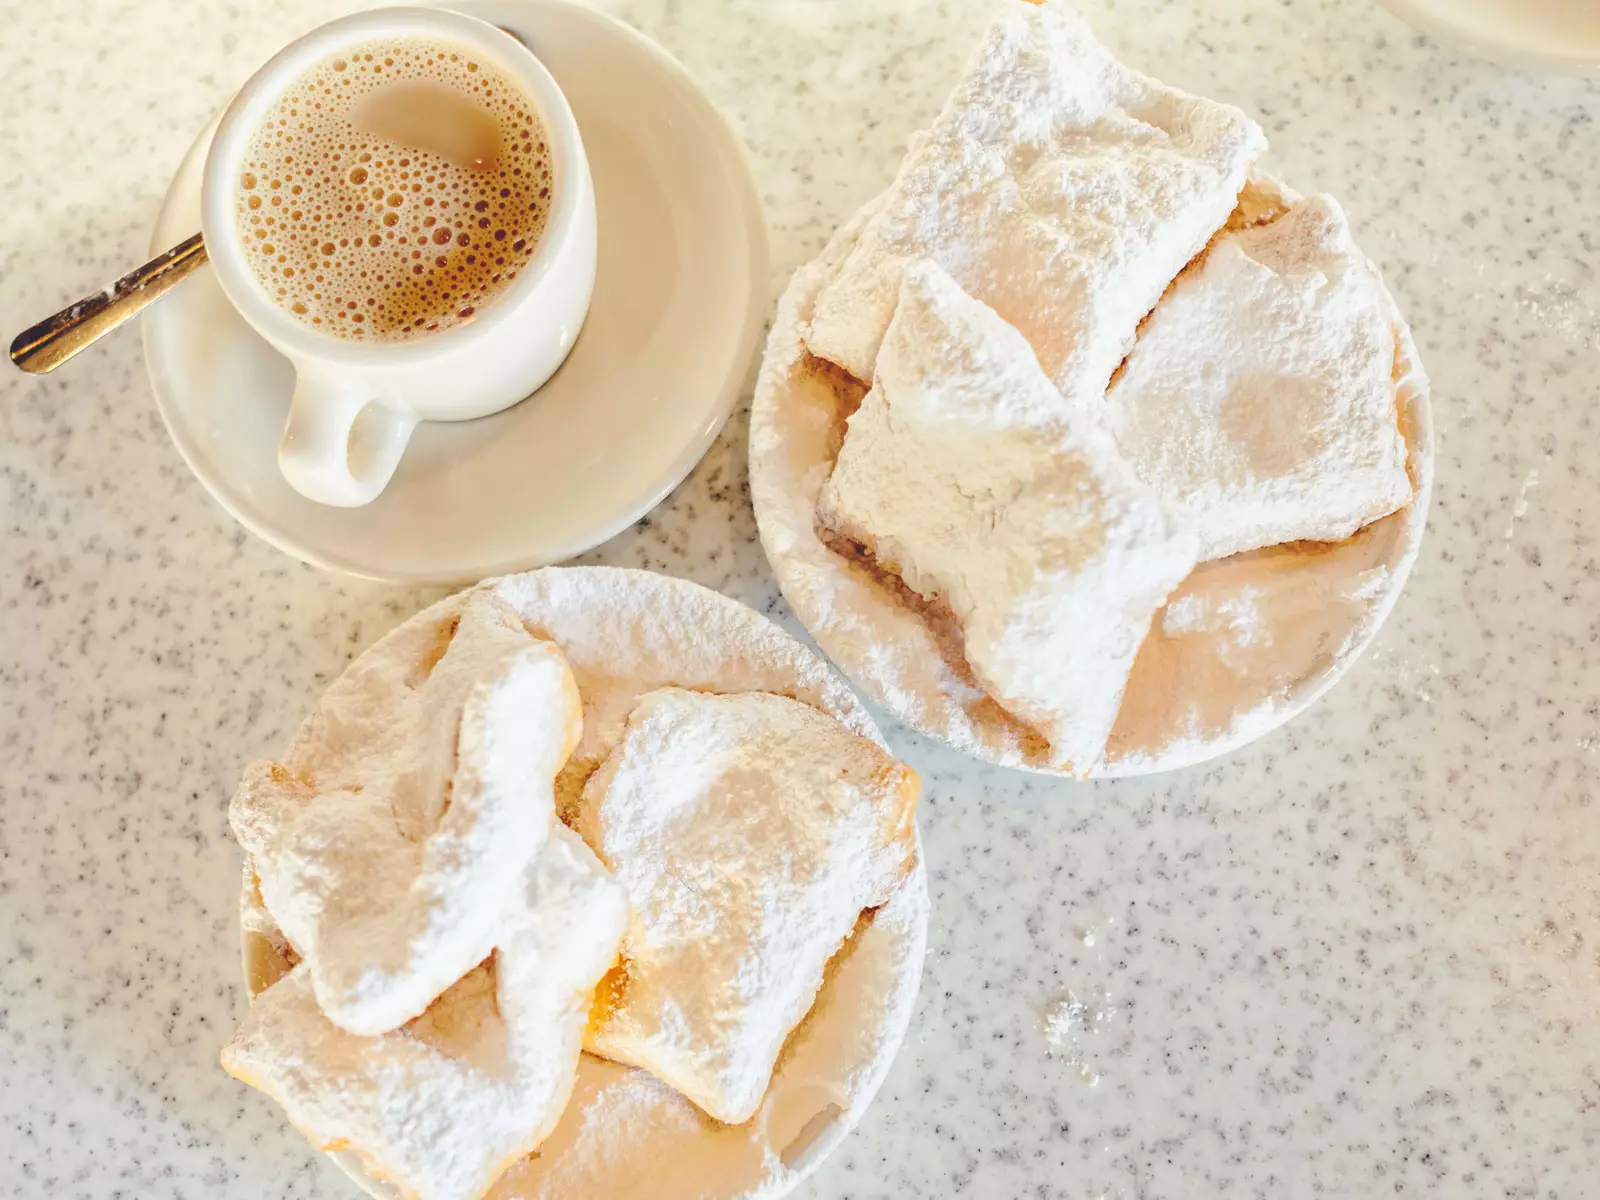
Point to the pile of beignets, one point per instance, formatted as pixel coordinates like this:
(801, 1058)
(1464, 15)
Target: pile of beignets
(450, 947)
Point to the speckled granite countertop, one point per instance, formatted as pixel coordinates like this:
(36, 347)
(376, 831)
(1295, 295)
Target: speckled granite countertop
(1361, 957)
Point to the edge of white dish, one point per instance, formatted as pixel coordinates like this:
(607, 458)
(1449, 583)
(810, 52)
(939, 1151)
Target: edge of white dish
(784, 491)
(1427, 19)
(883, 961)
(166, 233)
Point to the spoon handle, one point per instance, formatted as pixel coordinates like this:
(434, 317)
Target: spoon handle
(47, 345)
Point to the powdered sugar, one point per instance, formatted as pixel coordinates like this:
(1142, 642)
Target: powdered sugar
(1247, 638)
(1259, 401)
(624, 633)
(619, 649)
(440, 1107)
(750, 831)
(965, 474)
(891, 651)
(1057, 186)
(1070, 1028)
(628, 1136)
(387, 840)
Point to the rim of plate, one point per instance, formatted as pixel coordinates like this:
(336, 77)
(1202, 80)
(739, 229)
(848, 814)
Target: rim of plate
(1428, 19)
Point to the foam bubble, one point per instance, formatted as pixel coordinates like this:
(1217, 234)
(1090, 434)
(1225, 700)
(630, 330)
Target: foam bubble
(388, 235)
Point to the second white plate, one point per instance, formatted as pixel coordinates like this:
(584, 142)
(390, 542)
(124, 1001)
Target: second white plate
(625, 1135)
(679, 301)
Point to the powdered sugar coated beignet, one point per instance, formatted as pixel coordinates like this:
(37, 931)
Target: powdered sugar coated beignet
(749, 831)
(1260, 399)
(442, 1106)
(1057, 186)
(389, 842)
(965, 474)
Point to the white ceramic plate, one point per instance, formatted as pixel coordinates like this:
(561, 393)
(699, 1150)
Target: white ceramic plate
(626, 1136)
(1557, 35)
(1196, 697)
(678, 306)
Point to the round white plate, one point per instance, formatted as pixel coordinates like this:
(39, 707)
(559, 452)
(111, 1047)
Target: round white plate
(625, 1135)
(1557, 35)
(1197, 697)
(679, 301)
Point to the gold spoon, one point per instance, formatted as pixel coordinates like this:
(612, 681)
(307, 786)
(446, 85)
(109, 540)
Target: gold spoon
(47, 345)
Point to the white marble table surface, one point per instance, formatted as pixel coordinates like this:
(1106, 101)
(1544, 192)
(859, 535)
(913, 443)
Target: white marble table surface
(1359, 958)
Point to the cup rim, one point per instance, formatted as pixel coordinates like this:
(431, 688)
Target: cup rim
(248, 107)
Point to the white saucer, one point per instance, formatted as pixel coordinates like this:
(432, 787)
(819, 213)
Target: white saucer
(625, 1135)
(679, 302)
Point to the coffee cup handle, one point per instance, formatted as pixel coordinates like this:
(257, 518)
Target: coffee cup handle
(318, 456)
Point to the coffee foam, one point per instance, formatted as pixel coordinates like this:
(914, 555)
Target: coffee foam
(367, 237)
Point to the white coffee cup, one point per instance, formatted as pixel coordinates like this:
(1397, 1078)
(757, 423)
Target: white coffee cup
(356, 403)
